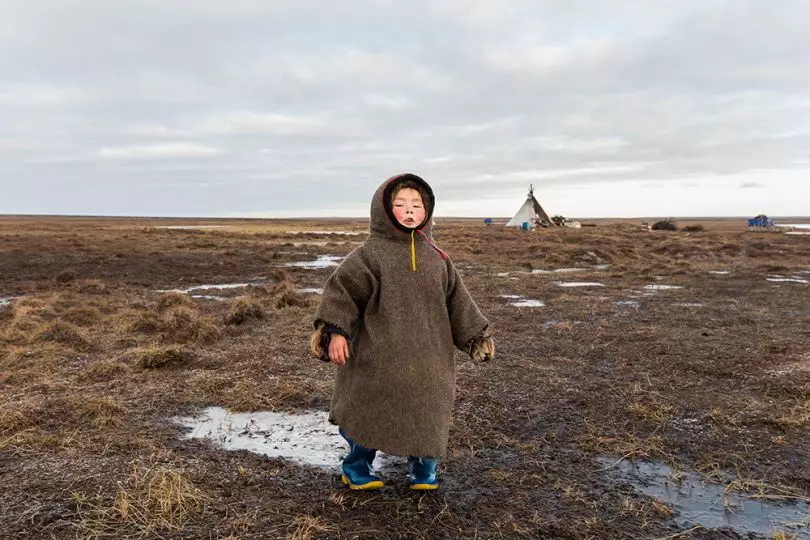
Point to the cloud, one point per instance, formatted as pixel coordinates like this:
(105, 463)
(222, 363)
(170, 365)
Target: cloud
(277, 100)
(160, 151)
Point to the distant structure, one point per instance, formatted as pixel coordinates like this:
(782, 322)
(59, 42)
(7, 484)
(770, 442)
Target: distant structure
(760, 221)
(531, 213)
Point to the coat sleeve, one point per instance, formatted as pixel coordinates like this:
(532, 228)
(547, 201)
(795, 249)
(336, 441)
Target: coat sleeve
(346, 293)
(466, 320)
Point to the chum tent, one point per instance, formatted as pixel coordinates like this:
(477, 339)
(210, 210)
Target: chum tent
(532, 213)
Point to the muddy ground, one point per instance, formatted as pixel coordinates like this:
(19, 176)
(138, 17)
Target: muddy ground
(712, 377)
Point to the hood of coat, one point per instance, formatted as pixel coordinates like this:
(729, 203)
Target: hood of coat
(383, 222)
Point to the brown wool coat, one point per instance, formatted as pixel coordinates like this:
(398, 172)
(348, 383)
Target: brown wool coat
(395, 393)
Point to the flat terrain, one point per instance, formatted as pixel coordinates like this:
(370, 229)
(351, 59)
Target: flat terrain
(693, 349)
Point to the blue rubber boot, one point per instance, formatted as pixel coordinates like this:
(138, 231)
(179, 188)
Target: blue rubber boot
(422, 473)
(357, 467)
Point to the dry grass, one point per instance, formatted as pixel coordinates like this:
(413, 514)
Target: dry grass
(161, 357)
(83, 316)
(104, 370)
(181, 324)
(245, 310)
(174, 299)
(66, 334)
(308, 527)
(154, 499)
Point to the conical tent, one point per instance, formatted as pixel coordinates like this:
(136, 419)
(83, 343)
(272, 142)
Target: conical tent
(532, 213)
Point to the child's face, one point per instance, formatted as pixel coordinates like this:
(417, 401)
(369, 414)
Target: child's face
(409, 209)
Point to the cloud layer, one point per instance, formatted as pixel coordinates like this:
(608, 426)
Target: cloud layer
(302, 108)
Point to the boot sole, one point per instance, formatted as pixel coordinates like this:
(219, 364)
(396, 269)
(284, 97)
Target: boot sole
(376, 484)
(424, 487)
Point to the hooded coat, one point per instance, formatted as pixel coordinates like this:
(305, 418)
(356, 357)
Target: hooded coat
(401, 302)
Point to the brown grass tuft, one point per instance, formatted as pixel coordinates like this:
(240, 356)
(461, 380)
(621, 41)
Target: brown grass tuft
(307, 527)
(103, 370)
(286, 296)
(182, 324)
(159, 357)
(102, 411)
(151, 500)
(146, 323)
(173, 299)
(65, 334)
(91, 286)
(7, 312)
(83, 316)
(244, 310)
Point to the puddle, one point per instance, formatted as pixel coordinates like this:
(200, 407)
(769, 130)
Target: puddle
(306, 438)
(217, 298)
(658, 287)
(527, 302)
(688, 304)
(794, 225)
(630, 303)
(5, 301)
(780, 279)
(191, 226)
(347, 233)
(578, 284)
(510, 296)
(502, 274)
(702, 503)
(323, 261)
(797, 232)
(569, 270)
(208, 287)
(311, 290)
(720, 272)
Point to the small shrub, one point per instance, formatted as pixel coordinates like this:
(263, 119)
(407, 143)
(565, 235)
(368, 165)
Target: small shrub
(664, 225)
(146, 323)
(159, 357)
(66, 334)
(182, 324)
(83, 316)
(245, 310)
(172, 299)
(694, 228)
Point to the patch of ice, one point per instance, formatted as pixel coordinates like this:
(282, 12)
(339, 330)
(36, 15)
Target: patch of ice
(797, 232)
(311, 290)
(720, 272)
(688, 304)
(209, 297)
(502, 274)
(5, 301)
(780, 279)
(658, 287)
(578, 284)
(347, 233)
(630, 303)
(323, 261)
(711, 505)
(191, 226)
(794, 225)
(511, 296)
(207, 287)
(307, 438)
(557, 270)
(527, 302)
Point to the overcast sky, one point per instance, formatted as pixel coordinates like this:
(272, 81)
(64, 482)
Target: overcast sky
(301, 108)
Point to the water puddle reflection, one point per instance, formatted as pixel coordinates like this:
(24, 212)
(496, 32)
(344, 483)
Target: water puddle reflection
(184, 227)
(720, 272)
(323, 261)
(306, 438)
(704, 503)
(220, 287)
(783, 279)
(578, 284)
(311, 290)
(660, 287)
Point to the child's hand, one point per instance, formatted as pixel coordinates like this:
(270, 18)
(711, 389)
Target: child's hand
(482, 349)
(338, 349)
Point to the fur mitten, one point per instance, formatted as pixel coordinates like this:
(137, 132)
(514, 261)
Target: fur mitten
(319, 342)
(481, 348)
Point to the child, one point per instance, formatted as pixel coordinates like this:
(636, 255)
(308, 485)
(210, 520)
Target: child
(389, 317)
